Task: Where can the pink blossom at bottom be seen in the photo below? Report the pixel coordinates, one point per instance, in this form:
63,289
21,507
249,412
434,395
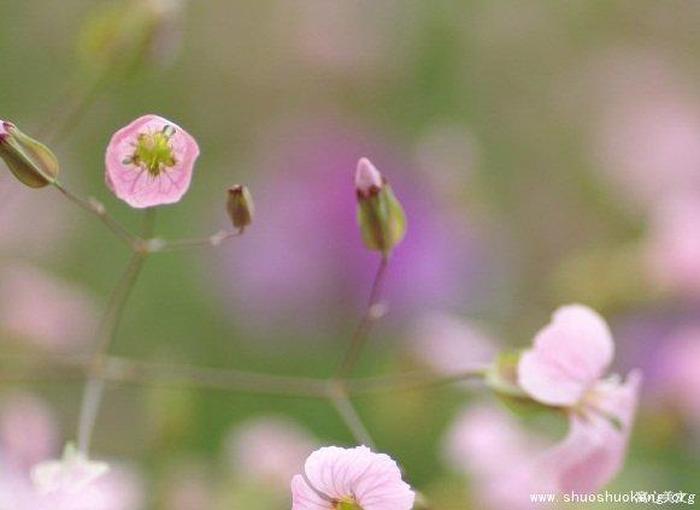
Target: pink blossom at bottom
356,476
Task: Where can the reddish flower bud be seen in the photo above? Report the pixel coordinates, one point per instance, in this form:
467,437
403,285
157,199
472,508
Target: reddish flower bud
240,207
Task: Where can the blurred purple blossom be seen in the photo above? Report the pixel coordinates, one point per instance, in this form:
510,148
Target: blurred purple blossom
304,258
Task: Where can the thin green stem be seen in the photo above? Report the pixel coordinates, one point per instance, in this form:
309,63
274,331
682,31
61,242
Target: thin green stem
94,387
347,412
158,245
372,313
411,381
96,208
131,371
125,370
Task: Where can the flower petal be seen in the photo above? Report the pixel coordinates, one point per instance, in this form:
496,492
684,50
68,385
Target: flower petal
568,356
305,498
594,449
373,480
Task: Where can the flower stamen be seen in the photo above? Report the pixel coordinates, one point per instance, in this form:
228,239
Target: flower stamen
153,151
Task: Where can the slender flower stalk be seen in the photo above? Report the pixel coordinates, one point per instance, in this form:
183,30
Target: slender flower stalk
128,371
347,412
373,312
93,206
138,243
94,388
157,245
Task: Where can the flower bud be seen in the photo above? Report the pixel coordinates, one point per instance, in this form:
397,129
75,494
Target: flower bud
380,216
240,207
29,160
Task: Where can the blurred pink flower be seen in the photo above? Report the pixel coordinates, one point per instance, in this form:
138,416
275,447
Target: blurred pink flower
679,362
489,444
41,309
350,38
32,226
27,431
69,475
672,247
564,368
305,263
29,481
350,478
450,344
485,439
268,450
77,483
507,462
652,148
150,162
58,486
648,138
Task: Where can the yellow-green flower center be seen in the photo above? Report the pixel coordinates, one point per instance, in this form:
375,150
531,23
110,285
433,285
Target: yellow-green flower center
153,151
347,504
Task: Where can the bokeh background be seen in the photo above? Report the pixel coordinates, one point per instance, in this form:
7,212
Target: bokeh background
545,152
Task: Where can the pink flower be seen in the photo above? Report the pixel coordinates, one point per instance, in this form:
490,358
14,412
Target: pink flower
27,431
594,450
569,355
485,439
679,362
350,479
150,162
564,368
70,475
41,309
449,345
488,444
673,244
269,450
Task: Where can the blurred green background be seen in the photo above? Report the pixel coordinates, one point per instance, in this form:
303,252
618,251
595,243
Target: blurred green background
523,86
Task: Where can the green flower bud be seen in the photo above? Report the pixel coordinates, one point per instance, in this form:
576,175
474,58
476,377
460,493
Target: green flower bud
240,207
380,215
30,161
